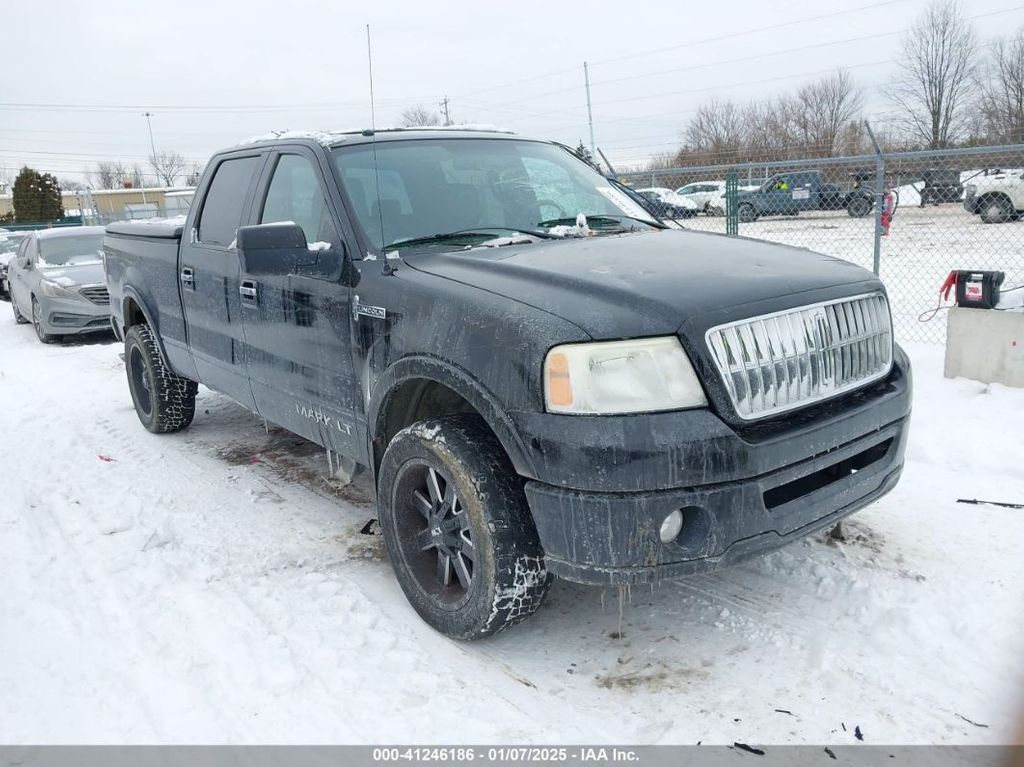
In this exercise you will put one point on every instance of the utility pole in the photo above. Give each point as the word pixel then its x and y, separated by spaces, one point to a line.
pixel 444 107
pixel 590 113
pixel 152 147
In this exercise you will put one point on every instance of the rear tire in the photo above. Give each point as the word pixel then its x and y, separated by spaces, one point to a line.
pixel 164 402
pixel 996 210
pixel 458 529
pixel 858 207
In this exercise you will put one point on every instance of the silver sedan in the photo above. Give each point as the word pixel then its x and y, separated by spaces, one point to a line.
pixel 58 283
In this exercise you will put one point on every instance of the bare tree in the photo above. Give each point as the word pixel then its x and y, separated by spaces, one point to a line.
pixel 168 166
pixel 716 129
pixel 933 91
pixel 821 112
pixel 194 174
pixel 766 135
pixel 1001 90
pixel 70 185
pixel 418 116
pixel 107 175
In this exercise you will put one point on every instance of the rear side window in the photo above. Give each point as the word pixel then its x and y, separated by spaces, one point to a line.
pixel 222 210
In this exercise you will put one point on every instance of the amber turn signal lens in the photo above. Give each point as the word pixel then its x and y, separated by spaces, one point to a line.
pixel 558 383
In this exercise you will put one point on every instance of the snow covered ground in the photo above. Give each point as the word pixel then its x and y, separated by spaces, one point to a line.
pixel 211 587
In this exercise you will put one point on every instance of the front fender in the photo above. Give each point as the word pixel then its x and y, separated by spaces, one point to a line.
pixel 462 383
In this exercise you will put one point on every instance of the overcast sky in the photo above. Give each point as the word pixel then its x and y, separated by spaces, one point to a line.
pixel 79 76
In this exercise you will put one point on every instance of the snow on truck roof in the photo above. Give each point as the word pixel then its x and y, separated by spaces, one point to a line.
pixel 331 137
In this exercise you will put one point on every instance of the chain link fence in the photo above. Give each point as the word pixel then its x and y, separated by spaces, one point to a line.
pixel 910 217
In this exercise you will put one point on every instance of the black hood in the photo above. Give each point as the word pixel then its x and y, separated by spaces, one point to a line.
pixel 651 283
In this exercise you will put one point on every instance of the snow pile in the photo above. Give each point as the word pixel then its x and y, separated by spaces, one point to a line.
pixel 212 586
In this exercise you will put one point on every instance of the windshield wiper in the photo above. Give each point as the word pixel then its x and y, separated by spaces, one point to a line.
pixel 484 232
pixel 603 217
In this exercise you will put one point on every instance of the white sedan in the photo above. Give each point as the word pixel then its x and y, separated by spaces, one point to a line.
pixel 703 194
pixel 668 203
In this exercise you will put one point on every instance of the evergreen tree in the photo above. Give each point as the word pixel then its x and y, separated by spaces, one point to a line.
pixel 36 197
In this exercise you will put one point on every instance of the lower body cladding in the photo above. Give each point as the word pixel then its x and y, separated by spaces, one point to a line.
pixel 740 498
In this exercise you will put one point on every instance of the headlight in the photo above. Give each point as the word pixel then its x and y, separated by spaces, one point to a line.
pixel 54 290
pixel 609 377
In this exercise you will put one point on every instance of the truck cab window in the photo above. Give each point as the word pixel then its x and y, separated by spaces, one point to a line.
pixel 295 196
pixel 222 210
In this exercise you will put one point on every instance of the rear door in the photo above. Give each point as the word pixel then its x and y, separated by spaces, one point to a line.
pixel 298 326
pixel 208 275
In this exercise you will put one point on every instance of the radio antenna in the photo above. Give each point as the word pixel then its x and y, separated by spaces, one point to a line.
pixel 385 267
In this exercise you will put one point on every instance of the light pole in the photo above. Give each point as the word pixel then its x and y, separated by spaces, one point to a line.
pixel 152 146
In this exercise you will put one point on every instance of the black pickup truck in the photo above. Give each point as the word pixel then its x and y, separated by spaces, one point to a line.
pixel 542 379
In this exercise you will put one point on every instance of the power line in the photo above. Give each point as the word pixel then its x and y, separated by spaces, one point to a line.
pixel 734 35
pixel 690 44
pixel 754 57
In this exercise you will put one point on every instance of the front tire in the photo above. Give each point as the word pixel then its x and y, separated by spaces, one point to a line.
pixel 747 213
pixel 164 402
pixel 458 529
pixel 996 210
pixel 37 323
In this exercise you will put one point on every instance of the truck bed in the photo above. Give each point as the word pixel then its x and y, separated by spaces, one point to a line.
pixel 144 255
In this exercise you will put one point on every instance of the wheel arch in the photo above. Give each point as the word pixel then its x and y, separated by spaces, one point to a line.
pixel 419 387
pixel 135 312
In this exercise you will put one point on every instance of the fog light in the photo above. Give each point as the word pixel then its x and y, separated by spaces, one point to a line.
pixel 671 526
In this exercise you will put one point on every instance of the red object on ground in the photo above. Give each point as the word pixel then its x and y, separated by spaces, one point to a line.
pixel 888 204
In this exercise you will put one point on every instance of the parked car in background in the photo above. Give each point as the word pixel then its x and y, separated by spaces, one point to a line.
pixel 996 195
pixel 703 194
pixel 788 194
pixel 9 242
pixel 668 204
pixel 941 185
pixel 57 282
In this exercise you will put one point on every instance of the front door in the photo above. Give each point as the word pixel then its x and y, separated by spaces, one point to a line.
pixel 298 326
pixel 16 277
pixel 208 275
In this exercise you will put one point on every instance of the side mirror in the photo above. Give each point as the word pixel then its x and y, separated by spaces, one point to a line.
pixel 273 249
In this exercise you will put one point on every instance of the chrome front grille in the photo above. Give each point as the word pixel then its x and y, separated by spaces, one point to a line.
pixel 97 294
pixel 790 359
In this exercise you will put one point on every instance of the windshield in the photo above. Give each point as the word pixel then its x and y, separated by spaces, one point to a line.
pixel 434 186
pixel 71 251
pixel 9 243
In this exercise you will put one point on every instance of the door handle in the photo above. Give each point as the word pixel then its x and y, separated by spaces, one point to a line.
pixel 188 278
pixel 247 290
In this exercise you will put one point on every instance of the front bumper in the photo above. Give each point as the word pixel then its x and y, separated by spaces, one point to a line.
pixel 741 495
pixel 70 316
